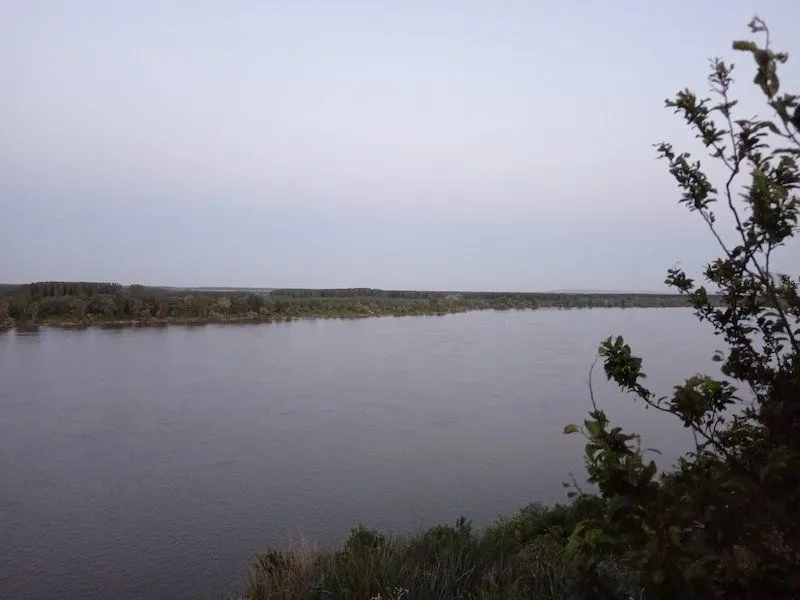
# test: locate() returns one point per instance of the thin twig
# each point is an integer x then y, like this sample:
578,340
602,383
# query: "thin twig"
576,485
696,442
589,383
765,279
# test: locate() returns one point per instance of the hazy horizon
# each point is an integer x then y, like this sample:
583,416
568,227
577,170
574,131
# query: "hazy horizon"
213,288
433,146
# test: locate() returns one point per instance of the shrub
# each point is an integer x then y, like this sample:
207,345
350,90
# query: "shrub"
725,522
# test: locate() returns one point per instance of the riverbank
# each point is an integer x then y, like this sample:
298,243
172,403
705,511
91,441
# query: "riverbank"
258,319
85,304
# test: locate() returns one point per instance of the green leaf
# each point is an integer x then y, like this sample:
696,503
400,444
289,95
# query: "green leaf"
744,46
593,427
571,428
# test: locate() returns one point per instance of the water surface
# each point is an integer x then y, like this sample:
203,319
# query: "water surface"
153,462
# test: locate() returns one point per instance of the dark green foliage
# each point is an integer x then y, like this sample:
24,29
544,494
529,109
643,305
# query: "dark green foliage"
85,303
363,539
725,521
441,563
448,301
523,557
5,316
56,289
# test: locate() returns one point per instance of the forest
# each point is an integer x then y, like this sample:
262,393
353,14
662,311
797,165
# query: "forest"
84,303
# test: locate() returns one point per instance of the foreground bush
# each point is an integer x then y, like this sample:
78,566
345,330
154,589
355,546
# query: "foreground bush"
524,557
725,521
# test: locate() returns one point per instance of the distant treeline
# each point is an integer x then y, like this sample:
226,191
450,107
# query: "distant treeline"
80,302
546,298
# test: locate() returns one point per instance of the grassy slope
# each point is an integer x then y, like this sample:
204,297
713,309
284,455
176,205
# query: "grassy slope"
524,557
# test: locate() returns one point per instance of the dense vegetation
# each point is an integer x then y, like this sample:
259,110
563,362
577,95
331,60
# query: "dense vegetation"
61,302
722,523
520,558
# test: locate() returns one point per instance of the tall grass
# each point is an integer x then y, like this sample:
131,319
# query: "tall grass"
523,557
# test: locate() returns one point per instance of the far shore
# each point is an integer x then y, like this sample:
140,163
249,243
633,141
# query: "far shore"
259,320
85,304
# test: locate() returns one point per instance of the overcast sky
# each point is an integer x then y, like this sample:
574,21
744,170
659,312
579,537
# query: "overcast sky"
409,144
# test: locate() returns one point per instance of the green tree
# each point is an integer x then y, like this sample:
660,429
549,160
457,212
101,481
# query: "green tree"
725,522
5,315
102,305
222,305
161,307
189,306
78,308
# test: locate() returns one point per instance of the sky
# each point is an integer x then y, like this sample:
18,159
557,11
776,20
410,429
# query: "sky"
452,145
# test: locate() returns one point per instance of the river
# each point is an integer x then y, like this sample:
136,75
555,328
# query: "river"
153,462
